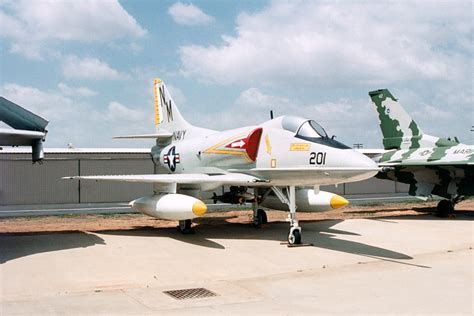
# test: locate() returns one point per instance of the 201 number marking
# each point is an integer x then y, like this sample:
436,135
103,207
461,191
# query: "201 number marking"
317,158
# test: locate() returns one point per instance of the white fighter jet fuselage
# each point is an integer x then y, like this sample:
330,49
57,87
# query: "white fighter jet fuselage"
276,151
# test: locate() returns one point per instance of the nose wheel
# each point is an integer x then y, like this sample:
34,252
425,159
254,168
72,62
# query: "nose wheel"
294,238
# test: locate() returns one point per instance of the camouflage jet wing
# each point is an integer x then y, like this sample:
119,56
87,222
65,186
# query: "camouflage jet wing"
190,178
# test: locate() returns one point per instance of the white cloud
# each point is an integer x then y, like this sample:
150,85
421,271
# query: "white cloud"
75,91
431,113
30,24
120,113
74,67
330,44
188,14
49,104
253,97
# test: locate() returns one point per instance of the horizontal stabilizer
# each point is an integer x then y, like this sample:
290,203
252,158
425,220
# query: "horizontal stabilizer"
164,135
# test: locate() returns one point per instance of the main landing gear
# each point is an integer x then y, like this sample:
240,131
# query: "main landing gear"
185,228
259,216
445,208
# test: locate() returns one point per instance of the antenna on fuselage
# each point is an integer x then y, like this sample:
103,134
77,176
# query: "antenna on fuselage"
271,114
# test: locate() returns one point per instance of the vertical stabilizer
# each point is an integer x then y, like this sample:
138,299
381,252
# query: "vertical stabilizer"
399,130
168,117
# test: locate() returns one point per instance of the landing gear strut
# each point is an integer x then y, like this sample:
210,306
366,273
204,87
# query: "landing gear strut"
288,196
259,215
185,227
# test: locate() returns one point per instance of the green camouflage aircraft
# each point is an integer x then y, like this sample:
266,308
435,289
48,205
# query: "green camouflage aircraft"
430,165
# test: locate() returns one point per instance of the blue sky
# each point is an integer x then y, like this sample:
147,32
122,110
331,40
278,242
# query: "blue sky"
87,66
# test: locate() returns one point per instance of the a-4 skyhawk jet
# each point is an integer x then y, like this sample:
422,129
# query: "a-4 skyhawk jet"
429,164
282,161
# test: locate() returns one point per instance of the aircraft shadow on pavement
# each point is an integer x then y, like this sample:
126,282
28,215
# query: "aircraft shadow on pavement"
319,233
17,245
424,213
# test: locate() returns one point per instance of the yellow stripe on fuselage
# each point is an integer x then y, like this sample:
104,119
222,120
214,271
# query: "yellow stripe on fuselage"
228,151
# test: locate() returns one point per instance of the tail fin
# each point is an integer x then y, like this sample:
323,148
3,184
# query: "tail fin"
168,117
399,130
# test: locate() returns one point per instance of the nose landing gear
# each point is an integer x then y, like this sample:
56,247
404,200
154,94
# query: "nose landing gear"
288,196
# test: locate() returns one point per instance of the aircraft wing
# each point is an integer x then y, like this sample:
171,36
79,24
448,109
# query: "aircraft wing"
19,118
190,178
18,137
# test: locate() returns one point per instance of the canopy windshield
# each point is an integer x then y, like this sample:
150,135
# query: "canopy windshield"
311,129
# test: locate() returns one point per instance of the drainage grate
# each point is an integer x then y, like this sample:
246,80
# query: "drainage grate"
186,294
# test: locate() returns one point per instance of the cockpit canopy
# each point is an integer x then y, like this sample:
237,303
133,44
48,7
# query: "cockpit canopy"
303,127
309,130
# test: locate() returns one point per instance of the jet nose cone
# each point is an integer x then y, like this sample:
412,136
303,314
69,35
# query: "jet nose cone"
363,166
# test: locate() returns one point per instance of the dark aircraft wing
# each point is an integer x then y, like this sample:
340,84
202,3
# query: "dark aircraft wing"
17,137
19,118
28,129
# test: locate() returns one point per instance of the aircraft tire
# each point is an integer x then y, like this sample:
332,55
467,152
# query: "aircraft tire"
261,218
185,228
444,208
294,238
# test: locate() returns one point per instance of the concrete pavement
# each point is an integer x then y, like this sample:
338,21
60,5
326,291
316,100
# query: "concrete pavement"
405,265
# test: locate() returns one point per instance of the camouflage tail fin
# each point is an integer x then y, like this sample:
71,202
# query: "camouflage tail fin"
399,130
